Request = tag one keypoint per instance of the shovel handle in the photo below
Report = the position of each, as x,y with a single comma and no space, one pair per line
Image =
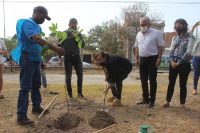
105,128
47,106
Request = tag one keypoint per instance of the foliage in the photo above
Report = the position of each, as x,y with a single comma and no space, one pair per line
57,35
113,36
10,43
61,36
78,36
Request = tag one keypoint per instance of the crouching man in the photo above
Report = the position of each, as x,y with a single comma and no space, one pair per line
116,69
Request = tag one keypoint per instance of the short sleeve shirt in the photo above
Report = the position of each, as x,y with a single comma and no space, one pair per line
149,42
26,28
2,47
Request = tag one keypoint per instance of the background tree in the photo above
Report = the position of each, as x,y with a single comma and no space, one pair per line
118,36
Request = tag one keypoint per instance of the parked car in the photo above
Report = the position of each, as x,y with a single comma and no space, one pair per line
87,65
54,61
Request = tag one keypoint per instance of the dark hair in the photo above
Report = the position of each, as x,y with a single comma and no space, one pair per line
43,10
99,53
73,20
183,22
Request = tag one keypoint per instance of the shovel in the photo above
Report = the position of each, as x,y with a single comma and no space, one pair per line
67,101
104,98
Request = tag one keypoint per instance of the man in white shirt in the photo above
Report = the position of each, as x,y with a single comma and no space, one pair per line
3,51
148,51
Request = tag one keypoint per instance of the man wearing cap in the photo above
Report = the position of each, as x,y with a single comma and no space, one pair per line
30,44
71,45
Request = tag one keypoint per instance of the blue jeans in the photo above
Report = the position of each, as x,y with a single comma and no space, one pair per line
30,80
196,67
43,78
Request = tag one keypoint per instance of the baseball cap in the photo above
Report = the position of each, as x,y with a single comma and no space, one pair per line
42,10
73,20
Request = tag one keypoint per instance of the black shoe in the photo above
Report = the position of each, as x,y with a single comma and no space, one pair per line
24,121
143,102
70,96
80,95
151,105
39,110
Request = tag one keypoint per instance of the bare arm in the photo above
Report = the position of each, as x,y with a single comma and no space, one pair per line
4,52
136,51
43,42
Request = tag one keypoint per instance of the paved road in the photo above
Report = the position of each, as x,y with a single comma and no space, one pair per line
88,79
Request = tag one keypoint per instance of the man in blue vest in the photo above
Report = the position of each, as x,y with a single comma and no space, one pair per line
29,49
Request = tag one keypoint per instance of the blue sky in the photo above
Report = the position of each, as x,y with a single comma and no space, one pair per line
91,14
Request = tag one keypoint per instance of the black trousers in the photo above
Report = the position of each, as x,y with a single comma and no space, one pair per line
117,89
70,61
148,71
183,71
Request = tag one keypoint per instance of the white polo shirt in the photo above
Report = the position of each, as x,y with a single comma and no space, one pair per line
148,42
2,47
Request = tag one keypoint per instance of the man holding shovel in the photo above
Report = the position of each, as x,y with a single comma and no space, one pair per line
116,69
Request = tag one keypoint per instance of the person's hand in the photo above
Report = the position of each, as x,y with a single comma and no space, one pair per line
173,64
53,40
106,90
43,66
136,63
7,54
157,62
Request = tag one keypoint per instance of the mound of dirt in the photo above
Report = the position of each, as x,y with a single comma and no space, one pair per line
101,120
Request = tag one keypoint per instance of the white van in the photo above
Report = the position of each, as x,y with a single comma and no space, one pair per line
56,61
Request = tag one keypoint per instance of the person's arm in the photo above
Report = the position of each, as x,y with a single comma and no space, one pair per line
136,52
188,53
42,42
160,44
83,41
4,52
174,44
31,33
3,49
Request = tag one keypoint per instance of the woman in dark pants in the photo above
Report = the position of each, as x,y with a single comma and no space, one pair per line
196,65
116,69
180,55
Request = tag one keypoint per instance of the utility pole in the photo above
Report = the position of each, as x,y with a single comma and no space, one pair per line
115,38
4,21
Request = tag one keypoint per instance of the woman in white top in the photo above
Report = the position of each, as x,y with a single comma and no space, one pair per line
3,51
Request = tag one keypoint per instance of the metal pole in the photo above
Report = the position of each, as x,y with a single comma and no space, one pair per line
4,21
67,101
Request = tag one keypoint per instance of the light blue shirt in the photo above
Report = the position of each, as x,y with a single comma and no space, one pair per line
26,28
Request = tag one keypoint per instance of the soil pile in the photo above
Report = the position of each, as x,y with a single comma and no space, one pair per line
101,120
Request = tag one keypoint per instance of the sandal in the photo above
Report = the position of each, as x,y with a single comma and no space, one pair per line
194,92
